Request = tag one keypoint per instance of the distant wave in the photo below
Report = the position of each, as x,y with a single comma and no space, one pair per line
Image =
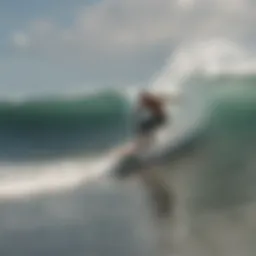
56,126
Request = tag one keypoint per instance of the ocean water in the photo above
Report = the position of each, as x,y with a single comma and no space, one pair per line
48,205
60,126
59,156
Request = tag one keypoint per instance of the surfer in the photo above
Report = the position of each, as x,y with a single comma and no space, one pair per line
152,116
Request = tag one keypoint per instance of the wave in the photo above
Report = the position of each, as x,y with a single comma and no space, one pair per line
222,141
74,124
37,178
57,126
217,117
225,132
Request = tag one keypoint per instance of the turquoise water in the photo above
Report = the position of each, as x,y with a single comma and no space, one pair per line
62,127
94,219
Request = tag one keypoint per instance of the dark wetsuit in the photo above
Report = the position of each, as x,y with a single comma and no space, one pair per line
157,118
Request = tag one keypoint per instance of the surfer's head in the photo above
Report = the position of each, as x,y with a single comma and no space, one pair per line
145,96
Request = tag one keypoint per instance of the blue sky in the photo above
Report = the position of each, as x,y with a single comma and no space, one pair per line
40,71
65,45
24,73
14,14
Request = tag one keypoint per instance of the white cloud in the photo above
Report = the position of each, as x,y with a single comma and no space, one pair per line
123,34
119,25
110,26
186,3
21,40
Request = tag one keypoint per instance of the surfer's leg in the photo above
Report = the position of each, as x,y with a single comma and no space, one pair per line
160,193
161,199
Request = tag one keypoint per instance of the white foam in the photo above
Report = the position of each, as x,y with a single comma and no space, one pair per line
34,179
211,57
208,57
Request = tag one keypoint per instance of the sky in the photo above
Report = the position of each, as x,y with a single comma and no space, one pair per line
50,46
